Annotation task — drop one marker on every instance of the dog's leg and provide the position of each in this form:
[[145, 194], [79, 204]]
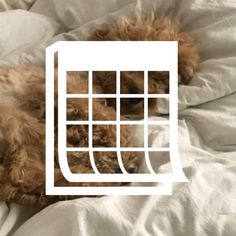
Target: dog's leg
[[23, 153], [188, 58], [24, 137], [12, 193]]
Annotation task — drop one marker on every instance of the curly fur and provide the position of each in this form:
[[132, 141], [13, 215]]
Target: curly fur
[[22, 114]]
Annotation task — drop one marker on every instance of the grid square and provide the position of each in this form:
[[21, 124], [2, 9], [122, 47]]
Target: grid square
[[77, 109], [77, 82], [126, 156], [107, 157], [158, 82], [134, 137], [158, 106], [104, 136], [160, 131], [132, 82], [104, 109], [104, 82], [160, 161], [131, 108], [77, 135], [76, 159]]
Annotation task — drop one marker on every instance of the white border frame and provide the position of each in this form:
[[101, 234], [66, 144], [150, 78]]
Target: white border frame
[[116, 56]]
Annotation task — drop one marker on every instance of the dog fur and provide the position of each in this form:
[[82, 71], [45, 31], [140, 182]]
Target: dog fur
[[22, 114]]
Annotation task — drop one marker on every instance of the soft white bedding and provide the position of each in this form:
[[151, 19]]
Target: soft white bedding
[[207, 123], [15, 4]]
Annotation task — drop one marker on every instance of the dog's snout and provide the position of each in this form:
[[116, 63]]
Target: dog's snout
[[135, 91]]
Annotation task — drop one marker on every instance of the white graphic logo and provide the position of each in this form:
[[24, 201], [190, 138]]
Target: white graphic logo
[[111, 56]]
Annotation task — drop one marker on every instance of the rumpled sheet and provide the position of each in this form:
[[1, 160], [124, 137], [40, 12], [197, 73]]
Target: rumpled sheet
[[206, 205], [15, 4]]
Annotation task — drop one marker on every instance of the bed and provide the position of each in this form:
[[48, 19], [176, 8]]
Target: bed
[[206, 205]]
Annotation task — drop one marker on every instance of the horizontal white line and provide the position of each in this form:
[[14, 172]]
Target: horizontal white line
[[114, 149], [165, 189], [84, 122], [126, 178], [127, 122], [117, 95]]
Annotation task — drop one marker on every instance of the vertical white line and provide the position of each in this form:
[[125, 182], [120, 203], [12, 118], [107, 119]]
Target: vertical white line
[[147, 159], [90, 117], [62, 131], [173, 118], [119, 158], [49, 120]]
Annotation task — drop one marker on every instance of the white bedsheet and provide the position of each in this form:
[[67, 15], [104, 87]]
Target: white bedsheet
[[207, 126]]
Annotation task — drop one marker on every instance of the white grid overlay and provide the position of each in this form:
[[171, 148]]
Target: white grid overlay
[[67, 62]]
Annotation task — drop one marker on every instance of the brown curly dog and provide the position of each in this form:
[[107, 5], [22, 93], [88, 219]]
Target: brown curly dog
[[22, 116]]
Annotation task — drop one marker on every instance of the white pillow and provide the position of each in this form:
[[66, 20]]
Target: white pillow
[[21, 30]]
